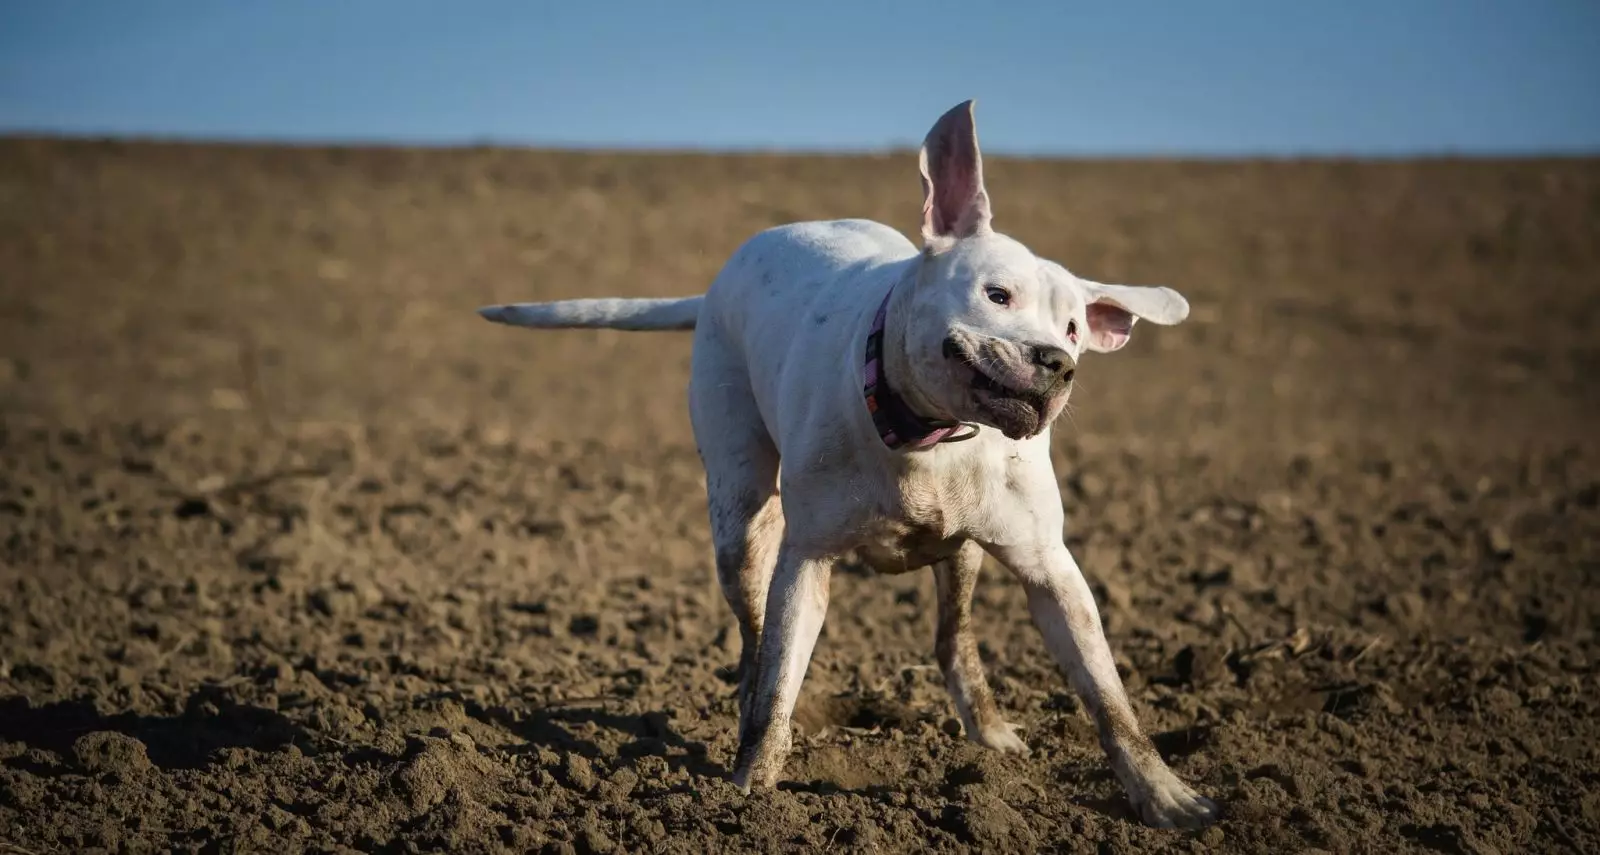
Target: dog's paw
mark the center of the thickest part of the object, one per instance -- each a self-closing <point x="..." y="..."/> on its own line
<point x="1001" y="737"/>
<point x="761" y="767"/>
<point x="758" y="778"/>
<point x="1170" y="803"/>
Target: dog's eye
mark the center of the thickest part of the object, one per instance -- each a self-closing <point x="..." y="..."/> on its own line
<point x="997" y="295"/>
<point x="1072" y="330"/>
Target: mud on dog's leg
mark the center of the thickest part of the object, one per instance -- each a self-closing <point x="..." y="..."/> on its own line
<point x="741" y="464"/>
<point x="745" y="530"/>
<point x="1064" y="610"/>
<point x="957" y="649"/>
<point x="797" y="603"/>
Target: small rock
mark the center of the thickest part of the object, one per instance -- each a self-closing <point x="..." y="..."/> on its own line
<point x="1499" y="541"/>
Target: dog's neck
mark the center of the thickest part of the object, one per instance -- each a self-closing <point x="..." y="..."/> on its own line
<point x="899" y="410"/>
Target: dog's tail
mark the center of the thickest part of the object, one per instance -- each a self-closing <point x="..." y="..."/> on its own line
<point x="601" y="313"/>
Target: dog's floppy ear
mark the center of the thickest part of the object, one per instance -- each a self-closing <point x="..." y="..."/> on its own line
<point x="954" y="203"/>
<point x="1113" y="309"/>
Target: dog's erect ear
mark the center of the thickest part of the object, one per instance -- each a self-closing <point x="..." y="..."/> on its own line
<point x="1113" y="309"/>
<point x="954" y="203"/>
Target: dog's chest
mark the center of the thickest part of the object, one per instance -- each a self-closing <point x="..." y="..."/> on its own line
<point x="892" y="547"/>
<point x="919" y="530"/>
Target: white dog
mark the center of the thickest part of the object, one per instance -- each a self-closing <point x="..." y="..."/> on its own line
<point x="909" y="396"/>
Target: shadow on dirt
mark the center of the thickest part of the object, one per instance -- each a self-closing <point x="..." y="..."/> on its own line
<point x="652" y="734"/>
<point x="210" y="721"/>
<point x="1183" y="741"/>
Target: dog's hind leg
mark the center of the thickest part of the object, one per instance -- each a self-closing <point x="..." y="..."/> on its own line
<point x="797" y="603"/>
<point x="957" y="649"/>
<point x="741" y="466"/>
<point x="746" y="529"/>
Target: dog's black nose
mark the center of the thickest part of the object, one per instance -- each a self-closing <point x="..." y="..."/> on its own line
<point x="1054" y="360"/>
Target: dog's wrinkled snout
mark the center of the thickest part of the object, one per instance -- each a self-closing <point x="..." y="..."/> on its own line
<point x="1057" y="362"/>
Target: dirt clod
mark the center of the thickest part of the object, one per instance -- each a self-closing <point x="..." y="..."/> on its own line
<point x="107" y="752"/>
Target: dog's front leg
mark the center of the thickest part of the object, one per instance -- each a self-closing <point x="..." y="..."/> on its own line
<point x="1064" y="610"/>
<point x="797" y="602"/>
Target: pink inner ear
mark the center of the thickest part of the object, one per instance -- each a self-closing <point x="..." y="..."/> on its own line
<point x="950" y="208"/>
<point x="954" y="203"/>
<point x="1109" y="326"/>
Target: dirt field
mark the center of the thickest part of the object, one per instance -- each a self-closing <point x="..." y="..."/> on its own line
<point x="297" y="554"/>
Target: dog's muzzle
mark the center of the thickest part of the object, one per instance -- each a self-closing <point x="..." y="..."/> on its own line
<point x="1018" y="412"/>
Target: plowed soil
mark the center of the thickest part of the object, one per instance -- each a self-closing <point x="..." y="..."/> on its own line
<point x="298" y="554"/>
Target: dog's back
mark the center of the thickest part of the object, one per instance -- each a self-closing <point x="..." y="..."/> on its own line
<point x="789" y="278"/>
<point x="805" y="290"/>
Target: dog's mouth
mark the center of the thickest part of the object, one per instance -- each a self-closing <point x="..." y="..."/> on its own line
<point x="1017" y="413"/>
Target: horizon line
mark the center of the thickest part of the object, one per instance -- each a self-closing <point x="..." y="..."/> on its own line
<point x="556" y="145"/>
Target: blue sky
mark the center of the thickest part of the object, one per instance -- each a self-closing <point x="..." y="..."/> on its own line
<point x="1135" y="77"/>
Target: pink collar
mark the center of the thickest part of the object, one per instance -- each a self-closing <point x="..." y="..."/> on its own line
<point x="898" y="425"/>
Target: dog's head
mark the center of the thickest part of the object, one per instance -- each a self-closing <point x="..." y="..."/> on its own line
<point x="993" y="333"/>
